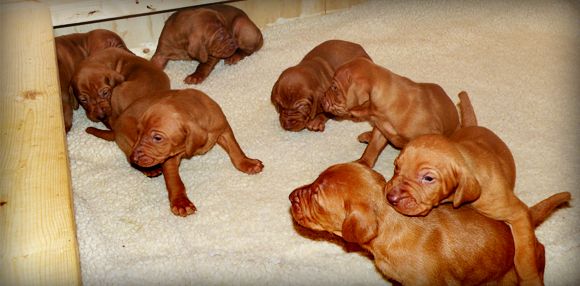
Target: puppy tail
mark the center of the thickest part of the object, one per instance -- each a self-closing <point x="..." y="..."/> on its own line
<point x="108" y="135"/>
<point x="466" y="110"/>
<point x="542" y="210"/>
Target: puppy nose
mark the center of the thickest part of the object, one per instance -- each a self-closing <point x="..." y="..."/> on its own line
<point x="136" y="154"/>
<point x="395" y="195"/>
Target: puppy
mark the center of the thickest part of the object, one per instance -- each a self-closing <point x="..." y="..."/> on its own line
<point x="473" y="166"/>
<point x="70" y="51"/>
<point x="397" y="108"/>
<point x="297" y="92"/>
<point x="109" y="80"/>
<point x="207" y="34"/>
<point x="156" y="132"/>
<point x="447" y="247"/>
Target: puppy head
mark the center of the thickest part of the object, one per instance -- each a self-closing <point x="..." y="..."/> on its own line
<point x="341" y="201"/>
<point x="92" y="85"/>
<point x="161" y="134"/>
<point x="213" y="39"/>
<point x="428" y="170"/>
<point x="296" y="98"/>
<point x="336" y="100"/>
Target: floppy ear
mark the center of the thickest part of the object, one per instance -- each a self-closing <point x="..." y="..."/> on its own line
<point x="360" y="225"/>
<point x="195" y="138"/>
<point x="468" y="188"/>
<point x="275" y="96"/>
<point x="197" y="47"/>
<point x="74" y="101"/>
<point x="315" y="105"/>
<point x="114" y="78"/>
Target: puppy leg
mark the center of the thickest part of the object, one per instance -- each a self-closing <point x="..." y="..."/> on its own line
<point x="159" y="60"/>
<point x="525" y="242"/>
<point x="377" y="143"/>
<point x="178" y="200"/>
<point x="247" y="165"/>
<point x="202" y="71"/>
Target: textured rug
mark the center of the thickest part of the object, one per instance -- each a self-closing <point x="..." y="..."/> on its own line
<point x="518" y="61"/>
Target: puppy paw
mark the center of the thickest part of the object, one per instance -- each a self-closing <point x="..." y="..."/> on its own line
<point x="195" y="78"/>
<point x="234" y="59"/>
<point x="151" y="173"/>
<point x="250" y="166"/>
<point x="365" y="137"/>
<point x="182" y="207"/>
<point x="316" y="125"/>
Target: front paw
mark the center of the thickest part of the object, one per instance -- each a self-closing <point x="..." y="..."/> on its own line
<point x="234" y="59"/>
<point x="195" y="78"/>
<point x="250" y="166"/>
<point x="317" y="124"/>
<point x="182" y="207"/>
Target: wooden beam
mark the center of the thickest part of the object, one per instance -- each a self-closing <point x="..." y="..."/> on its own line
<point x="38" y="244"/>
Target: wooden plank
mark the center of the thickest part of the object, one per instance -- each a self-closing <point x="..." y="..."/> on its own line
<point x="73" y="11"/>
<point x="38" y="243"/>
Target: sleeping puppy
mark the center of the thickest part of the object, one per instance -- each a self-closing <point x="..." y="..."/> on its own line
<point x="157" y="131"/>
<point x="70" y="51"/>
<point x="297" y="92"/>
<point x="473" y="166"/>
<point x="109" y="80"/>
<point x="447" y="247"/>
<point x="207" y="34"/>
<point x="397" y="108"/>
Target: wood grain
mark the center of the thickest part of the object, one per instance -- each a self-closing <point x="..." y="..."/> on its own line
<point x="38" y="243"/>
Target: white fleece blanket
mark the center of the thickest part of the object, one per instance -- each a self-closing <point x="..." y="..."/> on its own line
<point x="518" y="61"/>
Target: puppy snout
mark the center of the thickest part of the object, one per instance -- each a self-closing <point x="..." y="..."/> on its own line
<point x="137" y="155"/>
<point x="395" y="195"/>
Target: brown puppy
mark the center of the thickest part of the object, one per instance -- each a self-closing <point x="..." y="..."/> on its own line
<point x="297" y="92"/>
<point x="207" y="34"/>
<point x="109" y="80"/>
<point x="447" y="247"/>
<point x="70" y="51"/>
<point x="397" y="108"/>
<point x="157" y="131"/>
<point x="472" y="166"/>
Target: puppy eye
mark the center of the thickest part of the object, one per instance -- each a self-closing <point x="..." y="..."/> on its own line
<point x="157" y="138"/>
<point x="83" y="100"/>
<point x="105" y="92"/>
<point x="427" y="179"/>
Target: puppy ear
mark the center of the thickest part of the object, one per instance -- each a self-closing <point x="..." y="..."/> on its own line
<point x="197" y="47"/>
<point x="195" y="138"/>
<point x="74" y="101"/>
<point x="114" y="78"/>
<point x="468" y="188"/>
<point x="315" y="107"/>
<point x="360" y="225"/>
<point x="275" y="96"/>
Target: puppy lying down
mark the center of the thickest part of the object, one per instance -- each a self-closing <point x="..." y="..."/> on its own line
<point x="448" y="246"/>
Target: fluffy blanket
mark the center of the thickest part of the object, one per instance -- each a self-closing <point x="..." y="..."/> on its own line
<point x="518" y="61"/>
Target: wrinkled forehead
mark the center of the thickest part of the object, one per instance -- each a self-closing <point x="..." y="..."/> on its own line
<point x="163" y="117"/>
<point x="426" y="152"/>
<point x="291" y="91"/>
